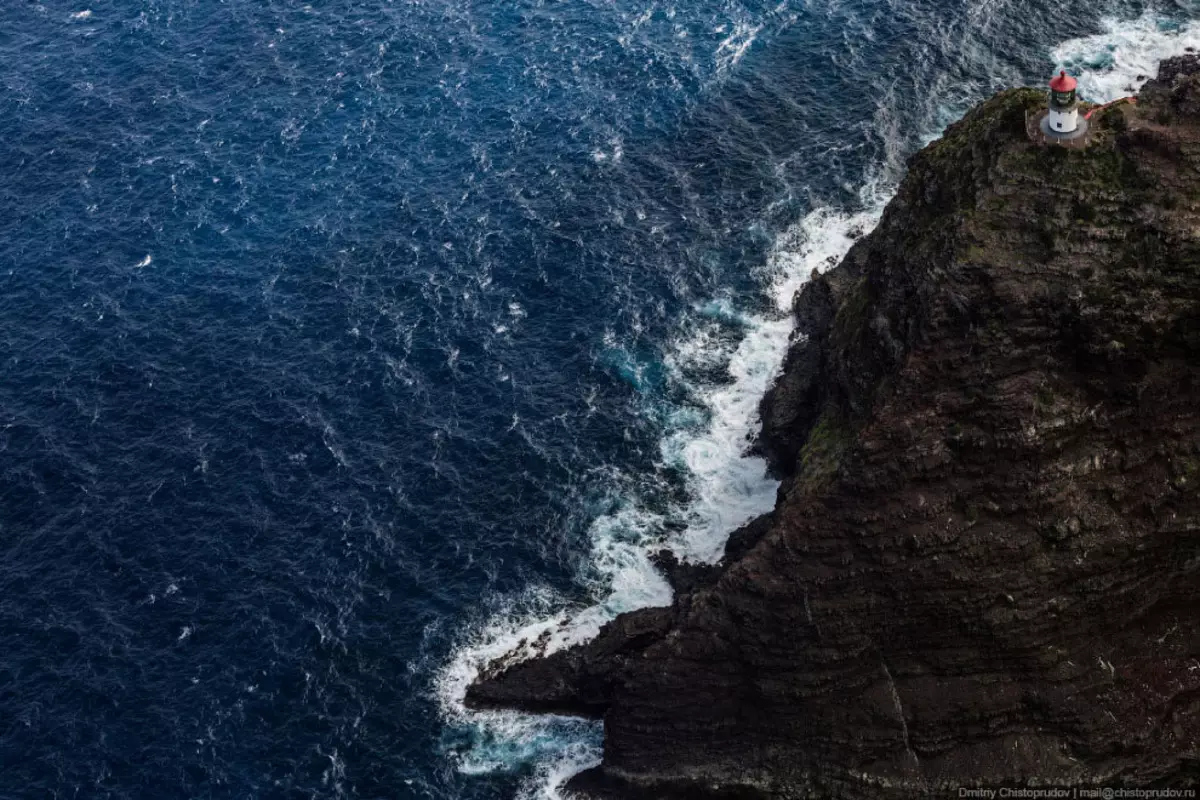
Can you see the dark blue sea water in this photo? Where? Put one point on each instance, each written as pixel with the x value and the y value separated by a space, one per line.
pixel 345 345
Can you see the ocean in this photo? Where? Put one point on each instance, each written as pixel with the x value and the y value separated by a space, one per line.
pixel 347 345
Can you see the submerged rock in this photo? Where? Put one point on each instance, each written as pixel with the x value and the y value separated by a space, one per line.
pixel 983 564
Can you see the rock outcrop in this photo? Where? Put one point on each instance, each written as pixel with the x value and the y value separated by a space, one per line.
pixel 984 562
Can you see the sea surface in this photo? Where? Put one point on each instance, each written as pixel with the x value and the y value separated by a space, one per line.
pixel 347 345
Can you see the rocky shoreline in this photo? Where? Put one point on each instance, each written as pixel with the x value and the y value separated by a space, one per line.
pixel 984 562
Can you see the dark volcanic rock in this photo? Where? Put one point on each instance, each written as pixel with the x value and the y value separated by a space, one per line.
pixel 578 681
pixel 686 577
pixel 794 401
pixel 983 566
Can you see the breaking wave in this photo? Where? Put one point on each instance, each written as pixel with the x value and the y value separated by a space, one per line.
pixel 725 488
pixel 706 437
pixel 1116 63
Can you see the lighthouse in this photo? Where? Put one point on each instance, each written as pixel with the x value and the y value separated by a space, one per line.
pixel 1064 105
pixel 1060 123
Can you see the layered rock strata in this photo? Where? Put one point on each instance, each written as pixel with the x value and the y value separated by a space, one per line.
pixel 984 563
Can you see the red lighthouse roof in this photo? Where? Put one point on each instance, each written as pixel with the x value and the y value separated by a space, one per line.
pixel 1063 83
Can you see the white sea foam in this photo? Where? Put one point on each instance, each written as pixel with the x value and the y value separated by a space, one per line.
pixel 1116 63
pixel 499 740
pixel 725 487
pixel 80 16
pixel 734 46
pixel 551 775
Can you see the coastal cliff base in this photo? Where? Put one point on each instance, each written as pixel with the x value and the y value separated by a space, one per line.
pixel 983 564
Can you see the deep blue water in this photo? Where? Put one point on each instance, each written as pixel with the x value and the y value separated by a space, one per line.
pixel 338 341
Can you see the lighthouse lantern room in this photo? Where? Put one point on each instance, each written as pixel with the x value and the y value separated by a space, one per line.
pixel 1064 105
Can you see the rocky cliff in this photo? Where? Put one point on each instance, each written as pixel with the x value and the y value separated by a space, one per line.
pixel 984 563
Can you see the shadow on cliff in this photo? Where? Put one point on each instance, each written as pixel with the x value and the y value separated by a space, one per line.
pixel 982 566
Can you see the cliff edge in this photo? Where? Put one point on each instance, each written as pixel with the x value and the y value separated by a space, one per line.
pixel 984 563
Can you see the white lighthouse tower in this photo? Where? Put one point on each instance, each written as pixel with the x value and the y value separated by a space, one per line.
pixel 1064 105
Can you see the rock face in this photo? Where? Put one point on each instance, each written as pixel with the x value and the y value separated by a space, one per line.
pixel 984 562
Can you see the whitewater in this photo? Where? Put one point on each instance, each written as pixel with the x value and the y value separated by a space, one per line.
pixel 347 346
pixel 708 437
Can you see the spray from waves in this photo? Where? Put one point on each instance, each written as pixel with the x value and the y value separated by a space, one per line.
pixel 725 487
pixel 1116 63
pixel 499 741
pixel 733 47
